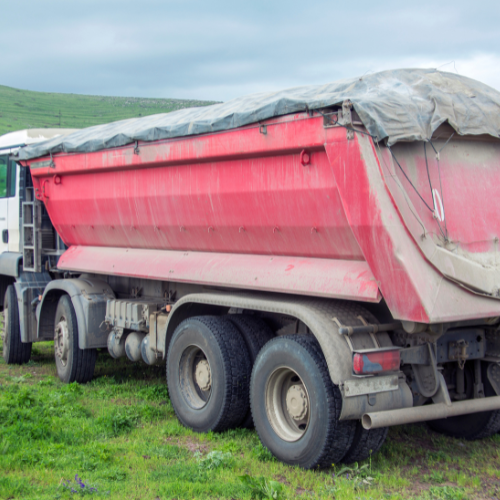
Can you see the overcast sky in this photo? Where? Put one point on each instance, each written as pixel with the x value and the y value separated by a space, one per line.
pixel 218 49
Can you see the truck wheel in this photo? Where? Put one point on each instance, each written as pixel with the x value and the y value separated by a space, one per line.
pixel 475 425
pixel 365 443
pixel 73 364
pixel 256 334
pixel 296 406
pixel 15 352
pixel 208 374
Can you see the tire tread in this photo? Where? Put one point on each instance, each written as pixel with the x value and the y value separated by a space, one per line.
pixel 256 333
pixel 365 443
pixel 17 352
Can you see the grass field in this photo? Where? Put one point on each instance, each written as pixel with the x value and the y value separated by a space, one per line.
pixel 20 109
pixel 119 435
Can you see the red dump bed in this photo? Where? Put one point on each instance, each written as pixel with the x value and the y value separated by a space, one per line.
pixel 294 206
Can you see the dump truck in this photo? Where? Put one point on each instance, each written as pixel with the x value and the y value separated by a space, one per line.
pixel 321 263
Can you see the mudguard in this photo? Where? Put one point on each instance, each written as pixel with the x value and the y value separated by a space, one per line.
pixel 89 297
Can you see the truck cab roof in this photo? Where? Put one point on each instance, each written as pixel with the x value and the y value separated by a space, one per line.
pixel 24 137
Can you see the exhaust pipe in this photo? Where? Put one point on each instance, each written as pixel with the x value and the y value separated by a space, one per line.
pixel 428 412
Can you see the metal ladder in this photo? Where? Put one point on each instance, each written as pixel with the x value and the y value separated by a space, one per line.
pixel 31 234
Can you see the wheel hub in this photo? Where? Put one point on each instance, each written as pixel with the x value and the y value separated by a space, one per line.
pixel 195 377
pixel 203 375
pixel 296 402
pixel 61 341
pixel 287 404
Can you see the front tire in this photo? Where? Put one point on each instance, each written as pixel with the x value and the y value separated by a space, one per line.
pixel 208 374
pixel 73 364
pixel 295 405
pixel 15 352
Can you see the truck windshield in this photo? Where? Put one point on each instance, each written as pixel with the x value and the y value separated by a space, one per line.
pixel 11 178
pixel 3 176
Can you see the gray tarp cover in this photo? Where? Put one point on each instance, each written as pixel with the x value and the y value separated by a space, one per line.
pixel 400 105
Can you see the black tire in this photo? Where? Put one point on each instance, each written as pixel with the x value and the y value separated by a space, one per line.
pixel 73 364
pixel 256 334
pixel 219 401
pixel 474 425
pixel 15 352
pixel 323 440
pixel 365 443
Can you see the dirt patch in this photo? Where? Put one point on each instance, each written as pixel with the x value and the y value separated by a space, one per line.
pixel 282 479
pixel 189 444
pixel 301 491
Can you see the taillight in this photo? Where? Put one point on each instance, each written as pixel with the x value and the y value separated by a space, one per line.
pixel 376 362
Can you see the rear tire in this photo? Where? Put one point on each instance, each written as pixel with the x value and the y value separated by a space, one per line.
pixel 73 364
pixel 295 405
pixel 365 444
pixel 256 334
pixel 208 374
pixel 475 425
pixel 15 352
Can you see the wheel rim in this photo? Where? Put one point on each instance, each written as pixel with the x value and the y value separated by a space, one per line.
pixel 195 377
pixel 61 341
pixel 287 404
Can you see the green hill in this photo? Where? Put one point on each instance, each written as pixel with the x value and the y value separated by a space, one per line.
pixel 20 109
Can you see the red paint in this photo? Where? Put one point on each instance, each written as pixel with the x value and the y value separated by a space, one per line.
pixel 363 207
pixel 273 197
pixel 350 280
pixel 305 157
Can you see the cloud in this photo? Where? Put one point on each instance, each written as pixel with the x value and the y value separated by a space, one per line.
pixel 222 49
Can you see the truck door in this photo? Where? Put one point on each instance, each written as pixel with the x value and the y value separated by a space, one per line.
pixel 4 216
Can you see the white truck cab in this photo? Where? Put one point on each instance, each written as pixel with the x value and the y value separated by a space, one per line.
pixel 9 182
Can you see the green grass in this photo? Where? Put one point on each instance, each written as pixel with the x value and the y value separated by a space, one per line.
pixel 119 434
pixel 20 109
